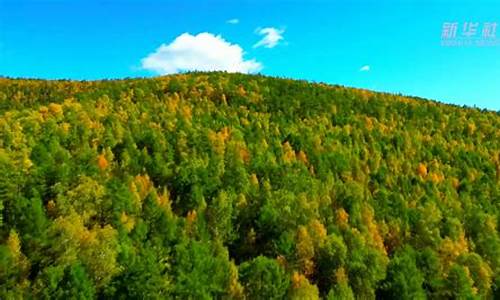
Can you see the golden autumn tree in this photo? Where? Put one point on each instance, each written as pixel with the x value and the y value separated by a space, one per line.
pixel 305 251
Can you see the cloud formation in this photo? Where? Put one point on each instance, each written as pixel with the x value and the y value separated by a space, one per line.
pixel 365 68
pixel 272 37
pixel 201 52
pixel 233 21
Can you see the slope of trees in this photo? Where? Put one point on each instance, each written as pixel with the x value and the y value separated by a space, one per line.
pixel 214 185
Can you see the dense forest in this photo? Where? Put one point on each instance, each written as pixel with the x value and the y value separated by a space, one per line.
pixel 231 186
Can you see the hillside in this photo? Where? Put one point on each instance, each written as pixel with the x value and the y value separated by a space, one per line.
pixel 214 185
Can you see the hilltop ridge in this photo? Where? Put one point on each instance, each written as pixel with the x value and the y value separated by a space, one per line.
pixel 216 185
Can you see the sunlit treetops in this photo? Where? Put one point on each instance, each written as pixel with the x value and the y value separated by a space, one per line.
pixel 215 185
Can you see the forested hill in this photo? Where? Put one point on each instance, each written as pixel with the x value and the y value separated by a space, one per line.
pixel 229 186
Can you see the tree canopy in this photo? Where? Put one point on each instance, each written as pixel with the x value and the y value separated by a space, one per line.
pixel 215 185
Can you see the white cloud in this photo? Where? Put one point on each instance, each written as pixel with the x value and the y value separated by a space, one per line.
pixel 365 68
pixel 233 21
pixel 201 52
pixel 272 37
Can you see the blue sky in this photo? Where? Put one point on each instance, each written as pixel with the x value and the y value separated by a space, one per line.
pixel 386 45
